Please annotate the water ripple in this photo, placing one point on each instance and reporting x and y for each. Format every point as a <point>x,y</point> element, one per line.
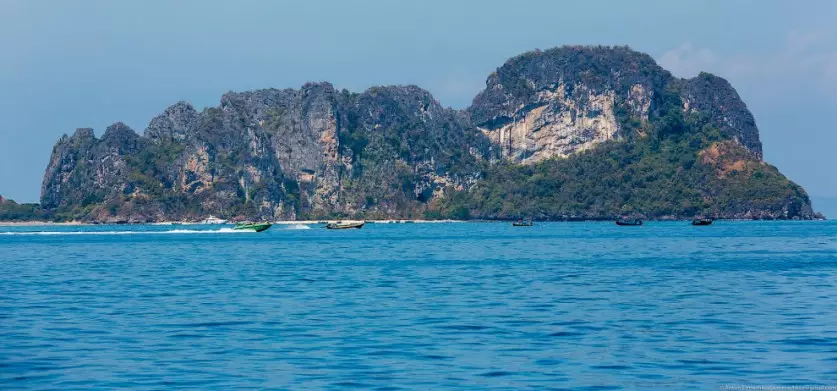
<point>477,306</point>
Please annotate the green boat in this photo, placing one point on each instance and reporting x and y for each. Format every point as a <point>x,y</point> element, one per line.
<point>257,227</point>
<point>345,225</point>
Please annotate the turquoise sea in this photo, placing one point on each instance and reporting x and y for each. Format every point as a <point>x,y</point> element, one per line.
<point>471,306</point>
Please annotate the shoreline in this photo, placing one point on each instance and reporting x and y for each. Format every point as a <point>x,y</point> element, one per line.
<point>280,222</point>
<point>40,223</point>
<point>313,222</point>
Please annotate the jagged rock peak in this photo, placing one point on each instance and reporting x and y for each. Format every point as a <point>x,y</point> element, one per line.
<point>406,96</point>
<point>406,89</point>
<point>118,129</point>
<point>598,69</point>
<point>568,63</point>
<point>320,92</point>
<point>272,96</point>
<point>397,105</point>
<point>84,133</point>
<point>82,138</point>
<point>120,138</point>
<point>321,86</point>
<point>255,102</point>
<point>267,96</point>
<point>716,97</point>
<point>174,123</point>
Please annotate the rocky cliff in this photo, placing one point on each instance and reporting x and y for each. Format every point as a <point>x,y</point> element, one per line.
<point>395,151</point>
<point>566,100</point>
<point>276,154</point>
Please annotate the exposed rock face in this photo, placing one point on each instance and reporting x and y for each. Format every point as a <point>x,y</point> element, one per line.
<point>402,137</point>
<point>301,130</point>
<point>715,97</point>
<point>173,124</point>
<point>387,152</point>
<point>69,169</point>
<point>558,125</point>
<point>270,154</point>
<point>562,101</point>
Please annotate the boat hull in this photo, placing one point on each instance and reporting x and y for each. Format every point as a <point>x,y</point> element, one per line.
<point>344,225</point>
<point>253,227</point>
<point>702,222</point>
<point>629,223</point>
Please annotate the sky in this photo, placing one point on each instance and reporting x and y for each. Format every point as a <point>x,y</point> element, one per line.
<point>89,63</point>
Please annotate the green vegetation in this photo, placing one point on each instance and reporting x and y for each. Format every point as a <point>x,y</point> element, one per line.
<point>12,211</point>
<point>676,167</point>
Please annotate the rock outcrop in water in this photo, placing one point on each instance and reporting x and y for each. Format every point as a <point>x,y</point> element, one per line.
<point>394,151</point>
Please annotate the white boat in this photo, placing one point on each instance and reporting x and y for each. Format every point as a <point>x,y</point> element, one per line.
<point>213,220</point>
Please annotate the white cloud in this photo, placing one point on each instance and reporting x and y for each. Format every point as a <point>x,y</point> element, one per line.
<point>688,61</point>
<point>800,41</point>
<point>831,69</point>
<point>804,57</point>
<point>457,88</point>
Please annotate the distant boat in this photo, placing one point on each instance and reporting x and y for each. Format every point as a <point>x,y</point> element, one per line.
<point>522,223</point>
<point>629,222</point>
<point>345,225</point>
<point>702,222</point>
<point>258,227</point>
<point>213,220</point>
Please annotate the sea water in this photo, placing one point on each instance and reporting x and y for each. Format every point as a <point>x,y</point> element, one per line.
<point>478,306</point>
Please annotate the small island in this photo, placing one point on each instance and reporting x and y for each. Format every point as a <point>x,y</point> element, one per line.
<point>570,133</point>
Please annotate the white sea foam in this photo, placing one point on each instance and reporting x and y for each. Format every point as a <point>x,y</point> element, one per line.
<point>296,226</point>
<point>174,231</point>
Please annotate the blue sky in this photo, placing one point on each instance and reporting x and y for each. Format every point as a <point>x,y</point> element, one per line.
<point>88,63</point>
